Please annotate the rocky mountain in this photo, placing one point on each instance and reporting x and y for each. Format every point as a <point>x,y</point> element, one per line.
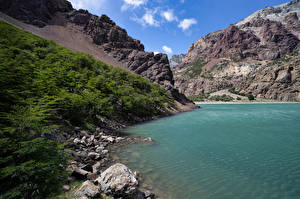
<point>100,36</point>
<point>176,60</point>
<point>258,55</point>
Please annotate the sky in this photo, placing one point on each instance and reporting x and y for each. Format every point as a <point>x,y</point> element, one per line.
<point>171,26</point>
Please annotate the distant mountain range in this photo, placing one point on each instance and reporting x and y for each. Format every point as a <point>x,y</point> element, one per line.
<point>259,55</point>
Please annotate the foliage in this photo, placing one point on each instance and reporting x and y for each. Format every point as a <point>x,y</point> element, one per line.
<point>223,98</point>
<point>196,68</point>
<point>199,98</point>
<point>41,86</point>
<point>284,59</point>
<point>250,97</point>
<point>207,75</point>
<point>233,91</point>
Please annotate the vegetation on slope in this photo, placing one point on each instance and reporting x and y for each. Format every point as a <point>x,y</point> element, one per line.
<point>44,86</point>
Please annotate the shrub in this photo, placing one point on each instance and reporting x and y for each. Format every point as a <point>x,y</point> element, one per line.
<point>223,98</point>
<point>43,85</point>
<point>250,97</point>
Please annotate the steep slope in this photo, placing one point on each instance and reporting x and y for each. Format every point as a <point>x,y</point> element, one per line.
<point>239,56</point>
<point>99,36</point>
<point>49,91</point>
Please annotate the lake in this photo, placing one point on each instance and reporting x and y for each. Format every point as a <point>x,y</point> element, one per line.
<point>248,151</point>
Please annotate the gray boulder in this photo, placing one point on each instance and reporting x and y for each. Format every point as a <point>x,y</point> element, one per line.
<point>87,189</point>
<point>118,180</point>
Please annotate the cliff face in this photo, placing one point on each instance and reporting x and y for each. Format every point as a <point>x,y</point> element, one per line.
<point>104,34</point>
<point>243,56</point>
<point>176,60</point>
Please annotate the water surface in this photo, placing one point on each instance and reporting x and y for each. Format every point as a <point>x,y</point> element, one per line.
<point>222,152</point>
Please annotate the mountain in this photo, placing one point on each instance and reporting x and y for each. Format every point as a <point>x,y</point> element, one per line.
<point>176,60</point>
<point>81,31</point>
<point>259,55</point>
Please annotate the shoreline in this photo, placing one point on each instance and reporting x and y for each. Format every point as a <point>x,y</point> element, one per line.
<point>247,102</point>
<point>94,152</point>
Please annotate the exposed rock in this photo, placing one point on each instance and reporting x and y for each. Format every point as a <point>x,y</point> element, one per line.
<point>149,139</point>
<point>87,189</point>
<point>284,76</point>
<point>96,167</point>
<point>247,56</point>
<point>35,12</point>
<point>94,155</point>
<point>176,59</point>
<point>118,180</point>
<point>66,188</point>
<point>80,173</point>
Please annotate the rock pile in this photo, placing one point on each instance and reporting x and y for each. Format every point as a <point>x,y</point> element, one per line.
<point>91,158</point>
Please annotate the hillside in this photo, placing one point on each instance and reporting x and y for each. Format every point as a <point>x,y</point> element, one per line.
<point>99,36</point>
<point>258,55</point>
<point>48,89</point>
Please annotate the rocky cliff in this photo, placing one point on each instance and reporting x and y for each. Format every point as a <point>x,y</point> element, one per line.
<point>247,56</point>
<point>105,35</point>
<point>176,60</point>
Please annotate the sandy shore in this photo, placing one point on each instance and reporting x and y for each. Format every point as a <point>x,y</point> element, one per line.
<point>247,102</point>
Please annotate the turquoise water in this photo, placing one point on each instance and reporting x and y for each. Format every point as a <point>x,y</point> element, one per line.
<point>221,152</point>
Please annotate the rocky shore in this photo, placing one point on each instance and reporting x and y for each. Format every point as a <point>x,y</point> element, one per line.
<point>92,163</point>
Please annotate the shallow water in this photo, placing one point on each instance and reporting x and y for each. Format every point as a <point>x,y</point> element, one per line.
<point>221,152</point>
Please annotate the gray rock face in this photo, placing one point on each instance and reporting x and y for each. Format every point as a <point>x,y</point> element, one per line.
<point>176,59</point>
<point>87,189</point>
<point>257,55</point>
<point>36,12</point>
<point>118,180</point>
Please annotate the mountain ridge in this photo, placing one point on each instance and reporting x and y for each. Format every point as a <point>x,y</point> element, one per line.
<point>236,56</point>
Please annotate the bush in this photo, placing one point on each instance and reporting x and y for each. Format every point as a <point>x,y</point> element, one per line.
<point>30,167</point>
<point>250,97</point>
<point>43,85</point>
<point>238,98</point>
<point>199,98</point>
<point>223,98</point>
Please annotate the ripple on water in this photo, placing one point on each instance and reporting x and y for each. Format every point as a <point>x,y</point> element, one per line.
<point>222,152</point>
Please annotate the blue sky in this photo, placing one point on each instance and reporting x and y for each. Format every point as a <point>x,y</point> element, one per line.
<point>171,26</point>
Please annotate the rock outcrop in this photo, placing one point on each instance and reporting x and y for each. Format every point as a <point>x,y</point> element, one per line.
<point>117,180</point>
<point>103,32</point>
<point>176,60</point>
<point>39,13</point>
<point>228,58</point>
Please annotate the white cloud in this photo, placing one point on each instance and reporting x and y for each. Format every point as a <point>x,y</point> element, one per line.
<point>187,23</point>
<point>182,1</point>
<point>88,4</point>
<point>148,19</point>
<point>132,4</point>
<point>169,15</point>
<point>167,49</point>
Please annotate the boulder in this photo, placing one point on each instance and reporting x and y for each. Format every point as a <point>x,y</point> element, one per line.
<point>79,173</point>
<point>118,180</point>
<point>87,189</point>
<point>66,188</point>
<point>284,76</point>
<point>94,155</point>
<point>96,167</point>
